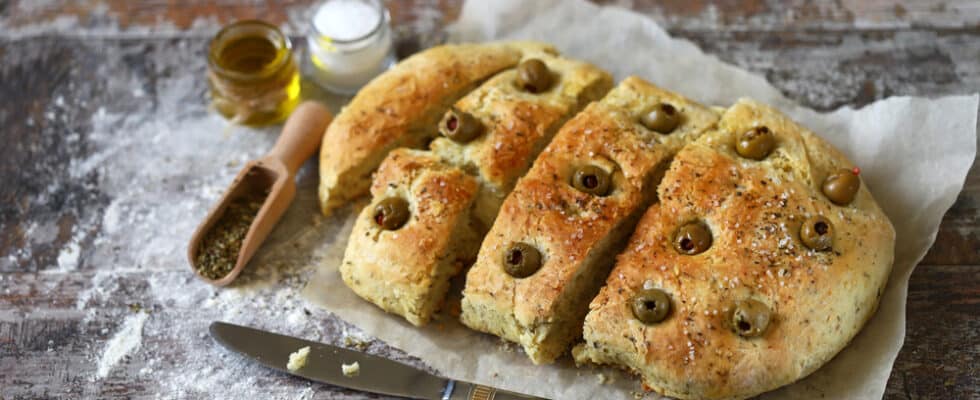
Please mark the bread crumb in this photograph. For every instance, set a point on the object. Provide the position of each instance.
(297, 359)
(351, 370)
(605, 379)
(355, 343)
(506, 346)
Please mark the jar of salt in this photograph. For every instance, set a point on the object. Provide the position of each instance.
(350, 44)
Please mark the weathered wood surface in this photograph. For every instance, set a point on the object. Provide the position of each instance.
(823, 54)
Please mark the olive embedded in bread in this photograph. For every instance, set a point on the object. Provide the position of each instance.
(533, 76)
(521, 260)
(662, 118)
(750, 318)
(692, 238)
(841, 186)
(651, 306)
(817, 233)
(460, 126)
(391, 213)
(756, 143)
(591, 179)
(760, 302)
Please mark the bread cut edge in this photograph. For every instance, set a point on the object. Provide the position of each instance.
(400, 108)
(548, 335)
(497, 99)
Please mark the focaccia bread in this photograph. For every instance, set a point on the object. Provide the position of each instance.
(401, 108)
(558, 231)
(493, 133)
(516, 124)
(762, 260)
(406, 271)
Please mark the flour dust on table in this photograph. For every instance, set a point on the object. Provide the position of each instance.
(160, 159)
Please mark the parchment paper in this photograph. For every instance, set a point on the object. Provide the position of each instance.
(914, 154)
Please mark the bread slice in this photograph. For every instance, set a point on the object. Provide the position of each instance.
(400, 108)
(577, 234)
(406, 271)
(519, 124)
(754, 211)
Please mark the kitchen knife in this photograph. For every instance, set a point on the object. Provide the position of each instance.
(376, 375)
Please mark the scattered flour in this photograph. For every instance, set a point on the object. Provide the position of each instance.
(161, 159)
(124, 342)
(306, 394)
(162, 164)
(102, 21)
(70, 254)
(68, 257)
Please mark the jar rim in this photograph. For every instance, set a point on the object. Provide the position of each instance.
(382, 17)
(227, 33)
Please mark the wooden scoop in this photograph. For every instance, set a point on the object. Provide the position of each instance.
(272, 176)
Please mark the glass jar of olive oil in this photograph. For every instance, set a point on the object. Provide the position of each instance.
(252, 73)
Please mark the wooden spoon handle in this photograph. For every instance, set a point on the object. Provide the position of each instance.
(301, 135)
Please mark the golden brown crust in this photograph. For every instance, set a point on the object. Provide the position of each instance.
(406, 271)
(577, 233)
(518, 125)
(400, 108)
(754, 210)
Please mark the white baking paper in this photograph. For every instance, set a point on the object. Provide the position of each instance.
(914, 154)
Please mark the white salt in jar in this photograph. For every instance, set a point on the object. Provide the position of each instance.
(350, 44)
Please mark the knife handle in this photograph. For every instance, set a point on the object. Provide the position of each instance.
(470, 391)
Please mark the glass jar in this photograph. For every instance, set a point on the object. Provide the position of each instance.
(252, 73)
(350, 43)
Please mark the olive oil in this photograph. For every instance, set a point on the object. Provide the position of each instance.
(252, 74)
(248, 54)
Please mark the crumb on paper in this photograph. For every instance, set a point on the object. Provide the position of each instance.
(605, 379)
(297, 359)
(351, 370)
(506, 346)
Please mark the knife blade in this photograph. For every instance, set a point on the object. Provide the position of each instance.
(377, 374)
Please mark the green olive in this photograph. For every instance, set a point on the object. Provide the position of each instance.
(533, 76)
(756, 143)
(591, 179)
(521, 260)
(391, 213)
(817, 233)
(750, 318)
(662, 118)
(692, 238)
(841, 186)
(460, 126)
(651, 306)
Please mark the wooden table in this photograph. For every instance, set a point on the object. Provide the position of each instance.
(823, 54)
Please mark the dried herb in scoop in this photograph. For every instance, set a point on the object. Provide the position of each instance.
(219, 250)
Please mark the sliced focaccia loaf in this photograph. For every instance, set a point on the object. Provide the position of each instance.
(764, 257)
(558, 231)
(496, 131)
(401, 108)
(413, 236)
(492, 133)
